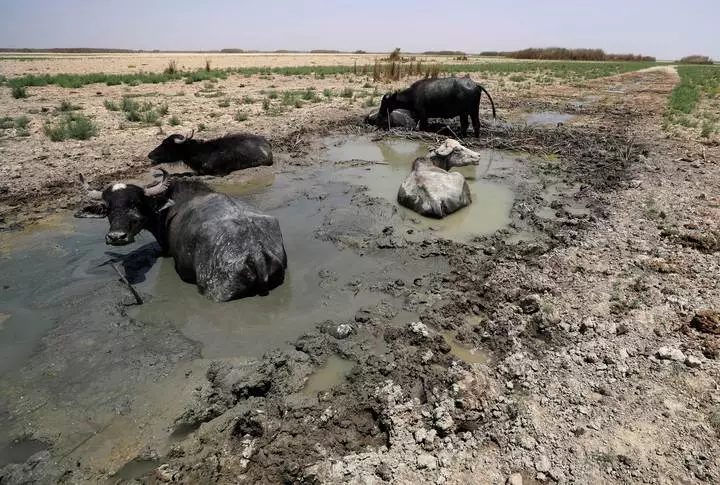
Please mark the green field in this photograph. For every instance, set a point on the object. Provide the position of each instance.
(562, 70)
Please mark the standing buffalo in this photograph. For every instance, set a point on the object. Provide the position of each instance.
(431, 189)
(440, 98)
(224, 246)
(219, 156)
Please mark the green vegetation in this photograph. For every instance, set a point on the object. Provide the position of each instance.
(695, 59)
(346, 93)
(21, 122)
(694, 82)
(370, 102)
(67, 106)
(699, 86)
(78, 127)
(224, 103)
(560, 53)
(584, 70)
(327, 93)
(111, 105)
(163, 109)
(6, 123)
(174, 121)
(241, 116)
(273, 94)
(19, 92)
(247, 100)
(266, 104)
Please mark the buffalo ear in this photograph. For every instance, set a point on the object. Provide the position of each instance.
(92, 211)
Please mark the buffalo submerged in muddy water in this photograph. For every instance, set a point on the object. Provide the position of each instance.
(431, 189)
(439, 98)
(225, 247)
(218, 156)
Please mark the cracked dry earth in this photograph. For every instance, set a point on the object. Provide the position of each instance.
(596, 342)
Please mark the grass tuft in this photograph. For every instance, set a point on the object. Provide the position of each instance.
(111, 105)
(78, 127)
(171, 68)
(174, 121)
(67, 106)
(241, 116)
(19, 92)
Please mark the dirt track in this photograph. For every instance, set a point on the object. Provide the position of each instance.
(598, 363)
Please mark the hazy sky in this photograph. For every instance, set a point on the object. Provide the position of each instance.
(663, 28)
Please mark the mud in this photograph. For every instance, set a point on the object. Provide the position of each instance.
(547, 348)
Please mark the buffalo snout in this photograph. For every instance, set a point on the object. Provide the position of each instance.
(118, 238)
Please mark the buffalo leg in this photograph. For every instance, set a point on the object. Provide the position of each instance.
(423, 124)
(463, 125)
(476, 123)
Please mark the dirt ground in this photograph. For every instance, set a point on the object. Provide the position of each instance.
(597, 337)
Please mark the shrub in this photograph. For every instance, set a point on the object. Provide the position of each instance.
(66, 106)
(111, 105)
(150, 117)
(171, 68)
(129, 104)
(223, 103)
(347, 93)
(266, 104)
(6, 123)
(21, 122)
(327, 93)
(174, 121)
(78, 127)
(696, 59)
(19, 92)
(241, 116)
(162, 109)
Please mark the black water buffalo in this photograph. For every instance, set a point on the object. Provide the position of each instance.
(228, 249)
(399, 118)
(218, 156)
(440, 98)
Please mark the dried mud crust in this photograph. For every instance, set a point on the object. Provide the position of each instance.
(600, 335)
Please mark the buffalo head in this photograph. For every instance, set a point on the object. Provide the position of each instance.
(172, 149)
(452, 154)
(128, 207)
(388, 104)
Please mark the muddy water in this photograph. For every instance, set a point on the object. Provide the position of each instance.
(390, 162)
(329, 375)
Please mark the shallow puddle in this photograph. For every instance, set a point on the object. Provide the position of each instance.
(468, 354)
(491, 201)
(327, 376)
(135, 469)
(19, 451)
(547, 118)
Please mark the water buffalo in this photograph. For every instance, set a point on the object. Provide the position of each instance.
(440, 98)
(228, 249)
(400, 118)
(218, 156)
(431, 189)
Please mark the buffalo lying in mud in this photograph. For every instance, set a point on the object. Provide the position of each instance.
(431, 189)
(218, 156)
(400, 118)
(440, 98)
(219, 243)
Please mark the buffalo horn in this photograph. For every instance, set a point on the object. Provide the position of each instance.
(93, 194)
(160, 187)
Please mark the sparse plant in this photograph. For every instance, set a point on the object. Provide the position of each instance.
(224, 103)
(162, 109)
(247, 100)
(174, 121)
(129, 104)
(207, 65)
(19, 92)
(395, 55)
(133, 116)
(202, 127)
(171, 67)
(266, 104)
(111, 105)
(367, 85)
(66, 106)
(347, 93)
(298, 103)
(327, 93)
(370, 102)
(150, 117)
(273, 94)
(6, 123)
(78, 127)
(21, 122)
(241, 116)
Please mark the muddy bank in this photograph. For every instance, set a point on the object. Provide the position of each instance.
(574, 344)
